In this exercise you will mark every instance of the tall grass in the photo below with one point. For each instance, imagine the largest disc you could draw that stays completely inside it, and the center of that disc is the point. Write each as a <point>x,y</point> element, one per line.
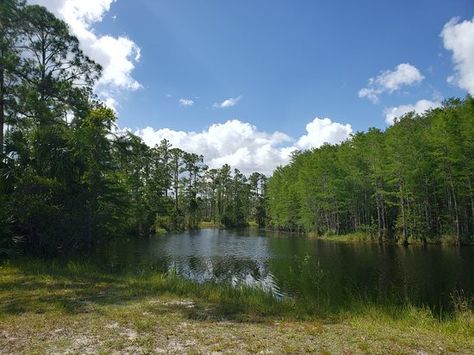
<point>69,282</point>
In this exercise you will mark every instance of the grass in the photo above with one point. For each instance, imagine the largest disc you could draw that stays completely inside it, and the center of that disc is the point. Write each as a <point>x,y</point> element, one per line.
<point>364,237</point>
<point>351,237</point>
<point>160,231</point>
<point>209,224</point>
<point>217,225</point>
<point>78,307</point>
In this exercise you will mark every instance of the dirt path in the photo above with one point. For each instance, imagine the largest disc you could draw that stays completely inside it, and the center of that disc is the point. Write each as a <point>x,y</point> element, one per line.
<point>180,326</point>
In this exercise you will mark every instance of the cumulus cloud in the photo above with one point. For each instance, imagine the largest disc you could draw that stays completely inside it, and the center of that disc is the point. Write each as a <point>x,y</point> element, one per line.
<point>323,130</point>
<point>117,55</point>
<point>244,147</point>
<point>228,102</point>
<point>236,143</point>
<point>391,80</point>
<point>186,102</point>
<point>392,113</point>
<point>458,37</point>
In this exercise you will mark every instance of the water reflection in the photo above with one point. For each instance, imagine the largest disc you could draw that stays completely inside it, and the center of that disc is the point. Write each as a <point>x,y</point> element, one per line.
<point>307,268</point>
<point>221,256</point>
<point>236,272</point>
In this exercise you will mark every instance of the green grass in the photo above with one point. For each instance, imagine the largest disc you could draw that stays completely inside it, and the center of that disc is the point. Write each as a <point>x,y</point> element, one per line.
<point>209,224</point>
<point>160,231</point>
<point>364,237</point>
<point>351,237</point>
<point>79,307</point>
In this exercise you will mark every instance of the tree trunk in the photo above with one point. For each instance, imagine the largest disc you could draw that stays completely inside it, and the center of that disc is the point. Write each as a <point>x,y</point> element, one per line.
<point>471,195</point>
<point>2,104</point>
<point>379,214</point>
<point>456,212</point>
<point>384,220</point>
<point>404,223</point>
<point>427,221</point>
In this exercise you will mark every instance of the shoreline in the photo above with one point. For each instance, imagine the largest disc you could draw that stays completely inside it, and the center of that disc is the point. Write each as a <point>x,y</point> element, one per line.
<point>356,237</point>
<point>48,307</point>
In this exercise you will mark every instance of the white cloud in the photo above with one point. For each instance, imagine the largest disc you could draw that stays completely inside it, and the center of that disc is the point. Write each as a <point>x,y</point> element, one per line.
<point>186,102</point>
<point>390,81</point>
<point>323,130</point>
<point>234,142</point>
<point>458,37</point>
<point>243,146</point>
<point>111,103</point>
<point>117,55</point>
<point>420,107</point>
<point>228,102</point>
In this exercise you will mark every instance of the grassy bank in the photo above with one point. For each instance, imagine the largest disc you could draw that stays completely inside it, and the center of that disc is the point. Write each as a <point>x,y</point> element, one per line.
<point>76,307</point>
<point>217,225</point>
<point>210,224</point>
<point>363,237</point>
<point>355,237</point>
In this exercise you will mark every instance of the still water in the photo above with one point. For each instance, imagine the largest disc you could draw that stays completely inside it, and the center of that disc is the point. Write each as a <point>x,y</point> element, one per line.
<point>294,266</point>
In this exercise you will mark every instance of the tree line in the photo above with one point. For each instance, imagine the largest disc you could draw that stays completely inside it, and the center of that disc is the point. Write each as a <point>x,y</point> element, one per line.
<point>68,178</point>
<point>413,181</point>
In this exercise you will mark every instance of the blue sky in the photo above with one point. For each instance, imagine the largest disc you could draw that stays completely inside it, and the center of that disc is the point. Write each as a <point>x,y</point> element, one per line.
<point>284,62</point>
<point>289,60</point>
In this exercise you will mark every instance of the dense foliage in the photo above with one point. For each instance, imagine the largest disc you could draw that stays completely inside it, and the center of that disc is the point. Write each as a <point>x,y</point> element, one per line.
<point>69,178</point>
<point>412,181</point>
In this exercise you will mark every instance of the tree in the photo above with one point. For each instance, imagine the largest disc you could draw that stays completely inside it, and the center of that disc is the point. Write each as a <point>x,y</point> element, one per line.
<point>9,25</point>
<point>56,75</point>
<point>257,182</point>
<point>411,181</point>
<point>176,167</point>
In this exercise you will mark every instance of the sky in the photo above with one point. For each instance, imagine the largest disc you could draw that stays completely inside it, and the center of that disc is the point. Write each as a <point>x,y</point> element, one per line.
<point>248,82</point>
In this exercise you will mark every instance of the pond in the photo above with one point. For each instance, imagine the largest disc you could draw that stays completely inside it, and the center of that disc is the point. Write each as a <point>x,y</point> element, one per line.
<point>295,266</point>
